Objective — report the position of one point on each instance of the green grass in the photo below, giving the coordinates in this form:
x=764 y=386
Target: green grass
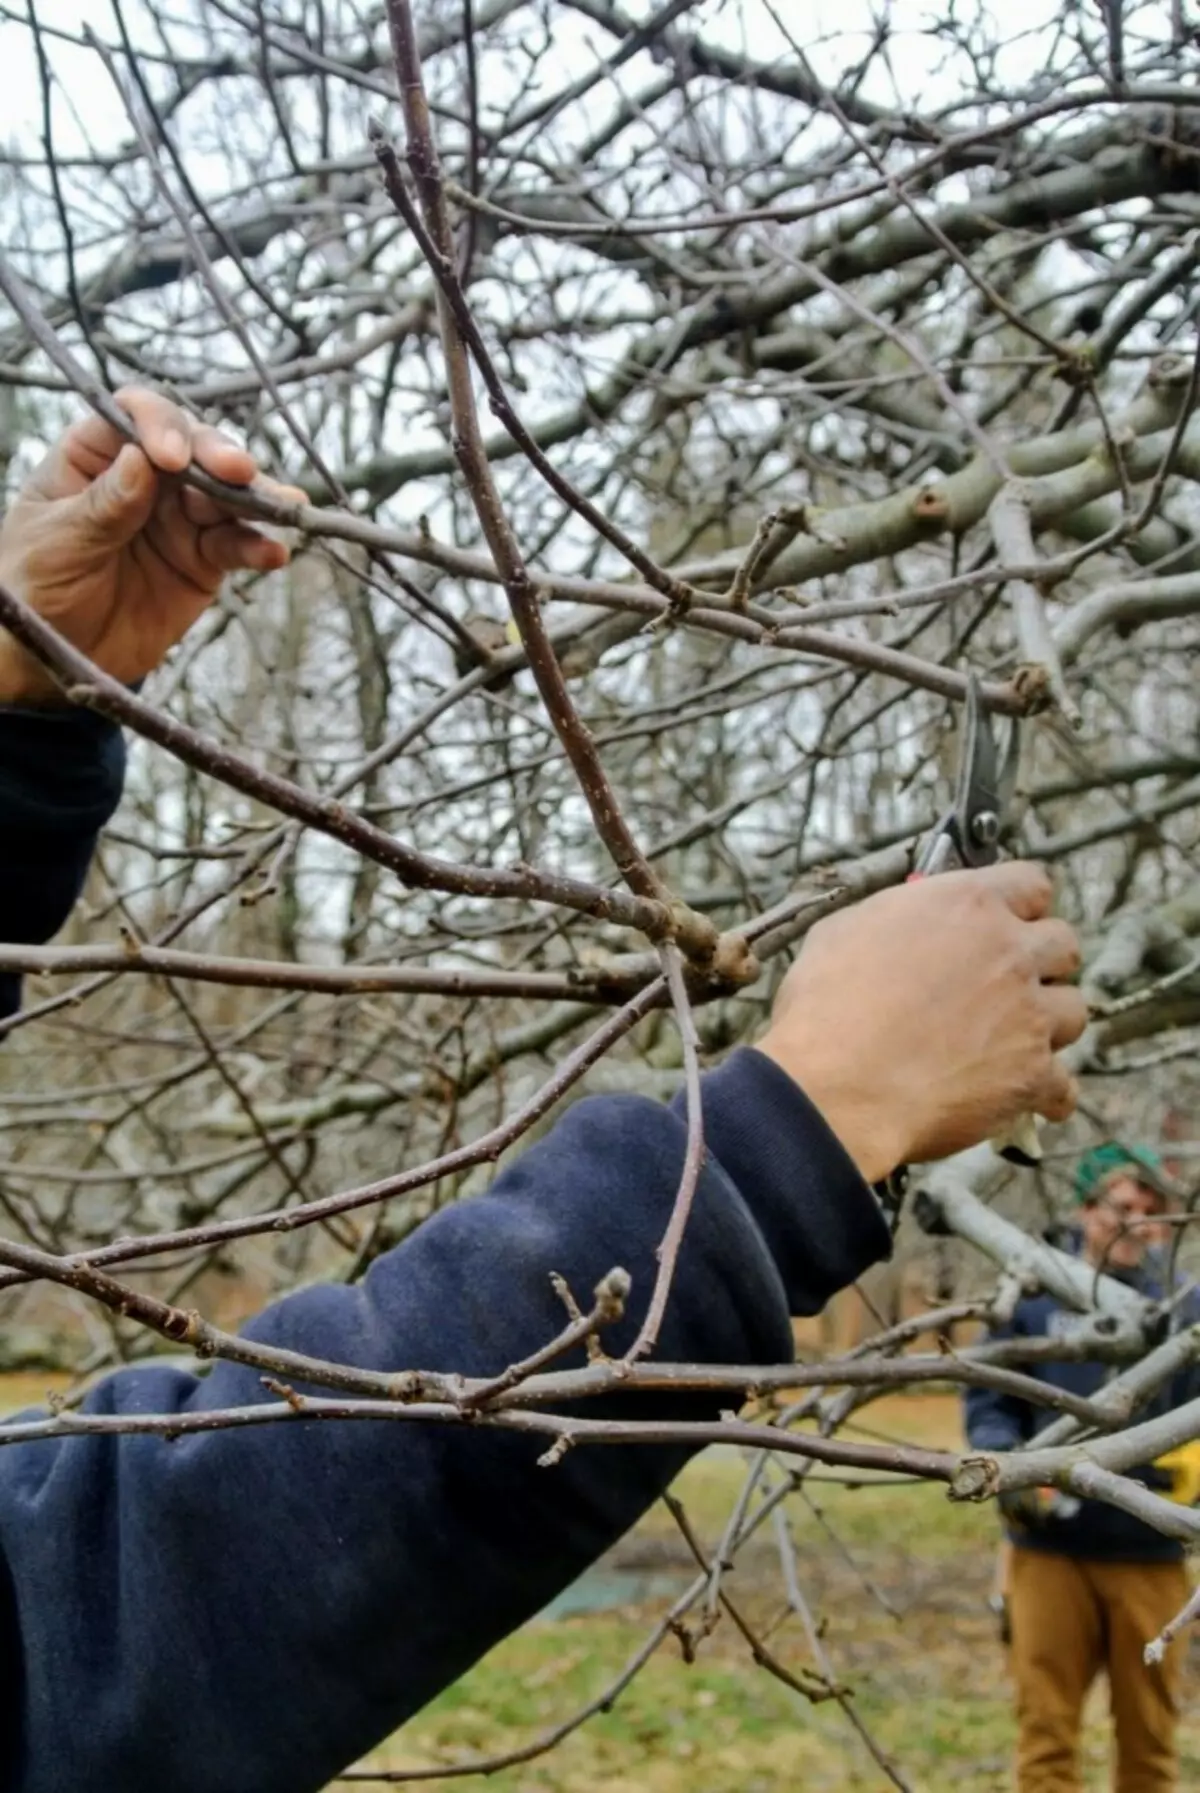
x=927 y=1681
x=928 y=1678
x=17 y=1392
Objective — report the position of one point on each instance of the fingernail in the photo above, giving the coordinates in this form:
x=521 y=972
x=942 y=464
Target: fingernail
x=129 y=469
x=175 y=447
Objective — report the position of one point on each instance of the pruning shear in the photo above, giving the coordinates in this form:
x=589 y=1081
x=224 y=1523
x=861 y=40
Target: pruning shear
x=969 y=835
x=970 y=832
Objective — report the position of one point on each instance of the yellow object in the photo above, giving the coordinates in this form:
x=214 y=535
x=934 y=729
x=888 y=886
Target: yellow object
x=1183 y=1467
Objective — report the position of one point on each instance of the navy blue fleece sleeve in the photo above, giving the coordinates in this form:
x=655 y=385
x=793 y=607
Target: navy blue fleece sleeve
x=61 y=772
x=251 y=1610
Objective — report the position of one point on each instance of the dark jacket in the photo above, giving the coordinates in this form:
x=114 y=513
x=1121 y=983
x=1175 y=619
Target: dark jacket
x=247 y=1611
x=1001 y=1422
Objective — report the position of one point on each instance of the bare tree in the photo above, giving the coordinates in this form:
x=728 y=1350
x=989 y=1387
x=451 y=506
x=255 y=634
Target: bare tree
x=685 y=410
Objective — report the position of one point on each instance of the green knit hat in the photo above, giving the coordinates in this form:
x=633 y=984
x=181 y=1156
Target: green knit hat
x=1102 y=1162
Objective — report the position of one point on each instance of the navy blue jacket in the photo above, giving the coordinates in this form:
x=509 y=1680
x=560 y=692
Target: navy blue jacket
x=249 y=1611
x=999 y=1422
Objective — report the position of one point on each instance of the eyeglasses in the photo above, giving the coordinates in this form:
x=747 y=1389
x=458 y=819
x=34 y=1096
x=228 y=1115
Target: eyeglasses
x=1131 y=1216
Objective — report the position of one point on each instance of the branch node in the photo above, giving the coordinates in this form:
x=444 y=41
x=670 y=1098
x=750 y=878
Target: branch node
x=612 y=1293
x=558 y=1450
x=932 y=506
x=1031 y=687
x=976 y=1478
x=285 y=1391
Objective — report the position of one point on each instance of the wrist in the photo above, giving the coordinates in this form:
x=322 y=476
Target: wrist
x=820 y=1223
x=22 y=681
x=866 y=1126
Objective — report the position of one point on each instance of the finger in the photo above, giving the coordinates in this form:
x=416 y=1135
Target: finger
x=221 y=457
x=271 y=488
x=1066 y=1009
x=202 y=556
x=204 y=511
x=173 y=440
x=200 y=509
x=234 y=547
x=92 y=443
x=1054 y=947
x=1058 y=1095
x=114 y=506
x=163 y=428
x=1023 y=886
x=175 y=542
x=79 y=456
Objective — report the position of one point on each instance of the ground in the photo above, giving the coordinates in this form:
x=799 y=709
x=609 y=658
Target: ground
x=927 y=1675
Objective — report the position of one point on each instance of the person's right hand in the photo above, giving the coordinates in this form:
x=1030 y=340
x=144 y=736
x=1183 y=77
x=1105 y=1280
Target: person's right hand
x=926 y=1018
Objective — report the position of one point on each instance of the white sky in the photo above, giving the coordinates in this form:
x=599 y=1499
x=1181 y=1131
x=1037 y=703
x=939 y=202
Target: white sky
x=833 y=33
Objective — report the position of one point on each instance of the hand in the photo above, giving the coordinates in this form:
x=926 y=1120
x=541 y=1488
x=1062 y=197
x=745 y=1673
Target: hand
x=116 y=553
x=924 y=1019
x=1026 y=1507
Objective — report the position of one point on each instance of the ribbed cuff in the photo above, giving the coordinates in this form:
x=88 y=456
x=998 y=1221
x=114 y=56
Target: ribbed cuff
x=61 y=772
x=821 y=1221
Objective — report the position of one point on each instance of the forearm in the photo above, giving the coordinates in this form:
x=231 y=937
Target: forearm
x=61 y=772
x=335 y=1577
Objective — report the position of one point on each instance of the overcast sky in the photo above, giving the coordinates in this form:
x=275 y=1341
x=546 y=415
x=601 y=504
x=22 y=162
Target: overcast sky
x=830 y=31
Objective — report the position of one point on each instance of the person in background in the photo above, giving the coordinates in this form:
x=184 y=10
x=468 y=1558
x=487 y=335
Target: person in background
x=1086 y=1586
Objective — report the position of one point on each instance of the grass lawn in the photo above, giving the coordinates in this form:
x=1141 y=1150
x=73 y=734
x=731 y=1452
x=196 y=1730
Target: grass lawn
x=928 y=1675
x=897 y=1580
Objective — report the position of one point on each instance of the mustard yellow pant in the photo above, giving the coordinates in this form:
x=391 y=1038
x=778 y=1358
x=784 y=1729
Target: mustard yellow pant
x=1071 y=1619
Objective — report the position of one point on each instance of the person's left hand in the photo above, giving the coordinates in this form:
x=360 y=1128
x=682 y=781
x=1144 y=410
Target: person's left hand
x=1026 y=1507
x=115 y=552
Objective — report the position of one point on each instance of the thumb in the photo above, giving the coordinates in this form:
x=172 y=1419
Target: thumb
x=1024 y=885
x=117 y=504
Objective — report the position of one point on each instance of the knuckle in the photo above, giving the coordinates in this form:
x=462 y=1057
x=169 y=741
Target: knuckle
x=981 y=906
x=1036 y=876
x=1061 y=1097
x=1076 y=1017
x=1068 y=945
x=1015 y=960
x=132 y=396
x=98 y=505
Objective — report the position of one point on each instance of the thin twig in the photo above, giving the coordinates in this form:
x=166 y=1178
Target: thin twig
x=693 y=1159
